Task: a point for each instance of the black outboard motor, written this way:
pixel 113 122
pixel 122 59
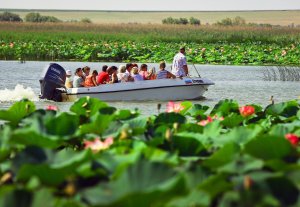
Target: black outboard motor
pixel 54 78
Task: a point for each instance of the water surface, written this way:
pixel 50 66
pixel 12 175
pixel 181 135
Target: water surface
pixel 242 83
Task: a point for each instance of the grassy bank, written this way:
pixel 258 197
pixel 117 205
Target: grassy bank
pixel 149 43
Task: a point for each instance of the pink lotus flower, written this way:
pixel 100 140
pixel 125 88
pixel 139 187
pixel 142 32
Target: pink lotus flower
pixel 203 49
pixel 52 108
pixel 210 119
pixel 97 145
pixel 11 45
pixel 294 139
pixel 247 110
pixel 174 107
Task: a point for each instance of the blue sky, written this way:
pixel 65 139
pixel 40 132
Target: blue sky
pixel 166 5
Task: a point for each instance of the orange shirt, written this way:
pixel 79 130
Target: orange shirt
pixel 89 81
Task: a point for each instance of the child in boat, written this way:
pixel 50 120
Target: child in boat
pixel 135 74
pixel 145 74
pixel 78 80
pixel 69 81
pixel 90 81
pixel 163 73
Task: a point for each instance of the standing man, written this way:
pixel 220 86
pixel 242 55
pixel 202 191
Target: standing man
pixel 179 67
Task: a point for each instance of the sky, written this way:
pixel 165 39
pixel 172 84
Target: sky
pixel 153 5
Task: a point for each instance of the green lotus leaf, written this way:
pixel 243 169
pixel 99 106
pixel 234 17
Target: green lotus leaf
pixel 269 147
pixel 223 156
pixel 99 123
pixel 215 185
pixel 186 146
pixel 62 125
pixel 17 112
pixel 232 120
pixel 225 107
pixel 143 184
pixel 29 136
pixel 197 110
pixel 240 135
pixel 87 106
pixel 169 118
pixel 286 109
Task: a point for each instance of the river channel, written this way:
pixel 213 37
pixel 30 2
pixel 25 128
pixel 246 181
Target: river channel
pixel 242 83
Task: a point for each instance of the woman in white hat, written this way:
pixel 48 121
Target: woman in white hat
pixel 69 81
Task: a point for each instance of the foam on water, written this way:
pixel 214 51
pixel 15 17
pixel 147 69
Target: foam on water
pixel 17 94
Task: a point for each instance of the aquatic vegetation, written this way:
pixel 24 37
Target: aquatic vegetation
pixel 149 43
pixel 97 155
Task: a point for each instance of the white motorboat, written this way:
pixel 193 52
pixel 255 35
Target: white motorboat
pixel 187 88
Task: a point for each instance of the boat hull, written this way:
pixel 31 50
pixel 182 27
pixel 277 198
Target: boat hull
pixel 165 90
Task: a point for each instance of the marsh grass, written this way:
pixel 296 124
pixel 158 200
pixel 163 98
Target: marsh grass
pixel 281 73
pixel 149 32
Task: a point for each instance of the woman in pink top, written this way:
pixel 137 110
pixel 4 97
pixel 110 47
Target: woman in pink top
pixel 144 73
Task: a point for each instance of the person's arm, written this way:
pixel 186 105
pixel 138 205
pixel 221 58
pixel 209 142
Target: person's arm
pixel 170 75
pixel 94 81
pixel 148 75
pixel 82 83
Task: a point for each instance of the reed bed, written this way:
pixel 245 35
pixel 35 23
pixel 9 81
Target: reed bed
pixel 281 73
pixel 154 32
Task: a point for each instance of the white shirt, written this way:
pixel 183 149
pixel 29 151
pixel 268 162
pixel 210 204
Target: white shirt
pixel 178 62
pixel 123 77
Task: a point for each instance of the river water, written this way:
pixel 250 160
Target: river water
pixel 242 83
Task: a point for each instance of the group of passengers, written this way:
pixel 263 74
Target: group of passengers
pixel 109 75
pixel 127 73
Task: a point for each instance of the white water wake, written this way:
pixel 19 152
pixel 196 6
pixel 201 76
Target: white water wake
pixel 17 94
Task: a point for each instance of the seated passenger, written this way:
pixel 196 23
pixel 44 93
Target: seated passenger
pixel 129 67
pixel 163 73
pixel 112 71
pixel 135 74
pixel 144 73
pixel 90 81
pixel 122 75
pixel 86 72
pixel 103 77
pixel 69 81
pixel 78 80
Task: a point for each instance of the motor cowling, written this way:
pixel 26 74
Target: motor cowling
pixel 53 79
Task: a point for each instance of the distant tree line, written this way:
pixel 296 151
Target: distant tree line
pixel 34 17
pixel 184 21
pixel 236 21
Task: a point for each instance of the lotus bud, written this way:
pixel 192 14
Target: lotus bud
pixel 124 134
pixel 248 182
pixel 176 125
pixel 168 135
pixel 70 189
pixel 158 107
pixel 6 178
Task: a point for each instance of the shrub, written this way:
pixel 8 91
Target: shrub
pixel 10 17
pixel 86 20
pixel 36 17
pixel 194 21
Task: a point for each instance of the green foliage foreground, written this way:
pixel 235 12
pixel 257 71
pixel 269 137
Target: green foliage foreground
pixel 195 157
